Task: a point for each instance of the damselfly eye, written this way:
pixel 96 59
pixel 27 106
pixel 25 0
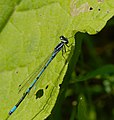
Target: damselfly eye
pixel 62 37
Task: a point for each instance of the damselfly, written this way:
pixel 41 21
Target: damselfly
pixel 64 42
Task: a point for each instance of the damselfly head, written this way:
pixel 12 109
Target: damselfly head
pixel 64 39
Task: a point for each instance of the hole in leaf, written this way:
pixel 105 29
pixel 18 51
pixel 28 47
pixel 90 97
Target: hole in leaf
pixel 47 87
pixel 39 93
pixel 90 8
pixel 16 72
pixel 99 9
pixel 107 11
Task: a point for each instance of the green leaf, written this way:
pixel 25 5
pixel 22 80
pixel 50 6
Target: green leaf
pixel 29 32
pixel 82 109
pixel 100 71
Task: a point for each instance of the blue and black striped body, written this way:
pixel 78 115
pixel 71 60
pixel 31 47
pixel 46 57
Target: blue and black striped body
pixel 64 41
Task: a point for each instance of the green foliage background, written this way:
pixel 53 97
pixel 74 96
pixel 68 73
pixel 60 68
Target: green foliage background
pixel 29 31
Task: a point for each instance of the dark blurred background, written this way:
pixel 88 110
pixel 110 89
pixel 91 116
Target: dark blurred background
pixel 88 94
